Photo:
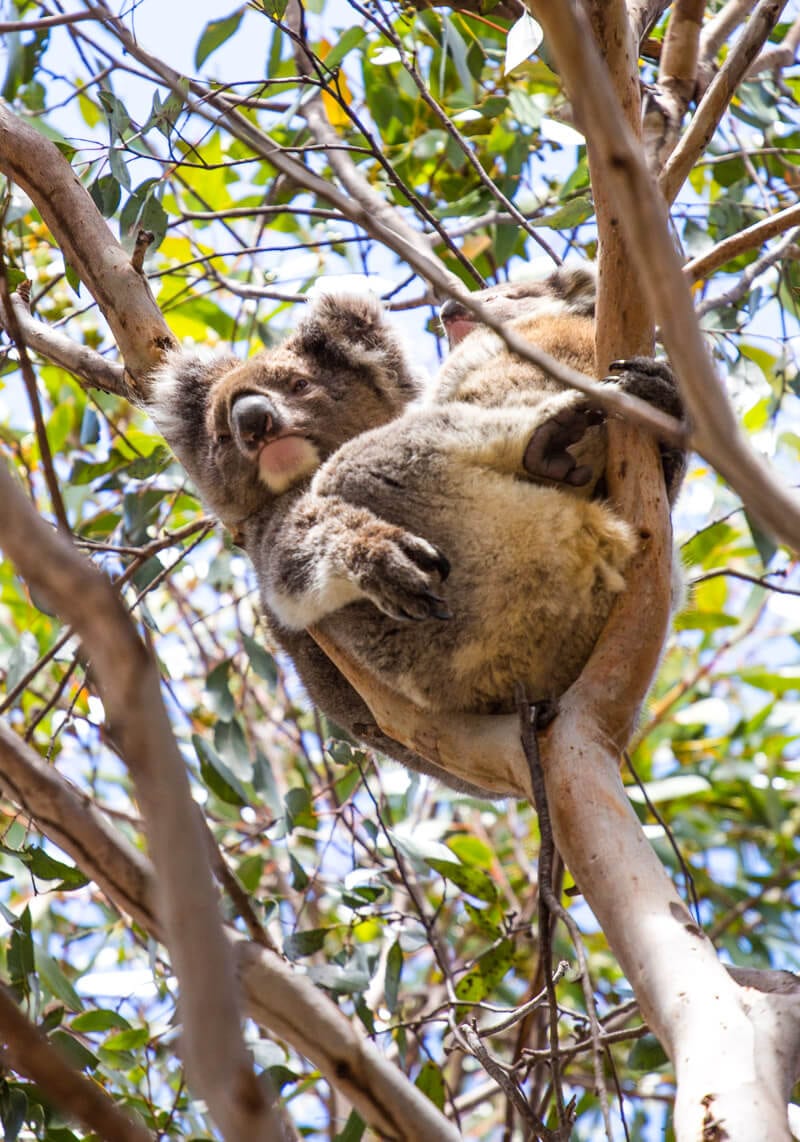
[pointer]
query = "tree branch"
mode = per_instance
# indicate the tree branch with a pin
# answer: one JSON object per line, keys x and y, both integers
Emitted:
{"x": 274, "y": 995}
{"x": 294, "y": 1009}
{"x": 783, "y": 55}
{"x": 715, "y": 102}
{"x": 749, "y": 239}
{"x": 27, "y": 1051}
{"x": 216, "y": 1058}
{"x": 70, "y": 819}
{"x": 90, "y": 367}
{"x": 749, "y": 275}
{"x": 124, "y": 297}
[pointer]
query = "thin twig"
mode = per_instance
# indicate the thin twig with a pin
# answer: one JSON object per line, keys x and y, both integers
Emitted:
{"x": 529, "y": 717}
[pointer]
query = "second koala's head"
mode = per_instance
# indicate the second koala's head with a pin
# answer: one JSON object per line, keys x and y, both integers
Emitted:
{"x": 569, "y": 289}
{"x": 248, "y": 431}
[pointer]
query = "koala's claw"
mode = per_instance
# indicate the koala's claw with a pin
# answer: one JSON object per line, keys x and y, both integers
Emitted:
{"x": 402, "y": 576}
{"x": 650, "y": 380}
{"x": 546, "y": 456}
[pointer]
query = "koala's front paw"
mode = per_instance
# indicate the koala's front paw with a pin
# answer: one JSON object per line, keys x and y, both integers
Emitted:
{"x": 650, "y": 380}
{"x": 654, "y": 382}
{"x": 546, "y": 456}
{"x": 402, "y": 573}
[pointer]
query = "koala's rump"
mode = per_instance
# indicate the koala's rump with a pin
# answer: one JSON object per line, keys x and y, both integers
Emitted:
{"x": 534, "y": 571}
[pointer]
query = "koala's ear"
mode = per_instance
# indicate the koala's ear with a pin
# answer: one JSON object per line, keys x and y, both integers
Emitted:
{"x": 350, "y": 331}
{"x": 577, "y": 286}
{"x": 178, "y": 395}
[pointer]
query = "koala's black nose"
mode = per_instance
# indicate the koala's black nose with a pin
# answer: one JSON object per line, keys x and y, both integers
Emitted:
{"x": 252, "y": 419}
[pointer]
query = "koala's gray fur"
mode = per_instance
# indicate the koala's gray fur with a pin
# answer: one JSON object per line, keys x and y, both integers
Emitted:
{"x": 454, "y": 488}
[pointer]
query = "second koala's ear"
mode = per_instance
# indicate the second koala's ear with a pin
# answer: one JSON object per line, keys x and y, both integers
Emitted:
{"x": 350, "y": 331}
{"x": 577, "y": 287}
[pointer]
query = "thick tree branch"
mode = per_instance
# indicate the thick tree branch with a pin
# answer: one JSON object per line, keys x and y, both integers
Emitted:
{"x": 38, "y": 167}
{"x": 273, "y": 994}
{"x": 715, "y": 102}
{"x": 280, "y": 999}
{"x": 217, "y": 1061}
{"x": 666, "y": 103}
{"x": 705, "y": 1021}
{"x": 88, "y": 366}
{"x": 783, "y": 55}
{"x": 643, "y": 14}
{"x": 72, "y": 821}
{"x": 26, "y": 1050}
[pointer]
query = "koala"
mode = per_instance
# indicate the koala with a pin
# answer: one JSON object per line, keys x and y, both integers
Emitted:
{"x": 342, "y": 372}
{"x": 557, "y": 314}
{"x": 449, "y": 544}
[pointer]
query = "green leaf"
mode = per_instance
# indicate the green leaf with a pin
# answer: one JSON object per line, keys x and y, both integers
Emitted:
{"x": 261, "y": 661}
{"x": 47, "y": 867}
{"x": 300, "y": 880}
{"x": 218, "y": 690}
{"x": 569, "y": 215}
{"x": 75, "y": 1052}
{"x": 647, "y": 1055}
{"x": 300, "y": 944}
{"x": 782, "y": 680}
{"x": 394, "y": 968}
{"x": 128, "y": 1040}
{"x": 215, "y": 34}
{"x": 56, "y": 982}
{"x": 346, "y": 42}
{"x": 765, "y": 545}
{"x": 119, "y": 168}
{"x": 23, "y": 656}
{"x": 430, "y": 1082}
{"x": 101, "y": 1019}
{"x": 471, "y": 850}
{"x": 486, "y": 974}
{"x": 458, "y": 52}
{"x": 341, "y": 980}
{"x": 217, "y": 776}
{"x": 353, "y": 1129}
{"x": 473, "y": 881}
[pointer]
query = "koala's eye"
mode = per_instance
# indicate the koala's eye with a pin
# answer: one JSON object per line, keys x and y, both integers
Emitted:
{"x": 299, "y": 384}
{"x": 223, "y": 437}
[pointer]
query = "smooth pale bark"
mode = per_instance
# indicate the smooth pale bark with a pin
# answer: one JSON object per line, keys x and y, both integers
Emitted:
{"x": 734, "y": 1063}
{"x": 218, "y": 1064}
{"x": 124, "y": 297}
{"x": 273, "y": 993}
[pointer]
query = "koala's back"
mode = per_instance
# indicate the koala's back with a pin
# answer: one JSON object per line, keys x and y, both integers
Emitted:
{"x": 481, "y": 370}
{"x": 534, "y": 571}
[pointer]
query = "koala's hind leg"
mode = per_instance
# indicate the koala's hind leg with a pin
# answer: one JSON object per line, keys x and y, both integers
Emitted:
{"x": 330, "y": 553}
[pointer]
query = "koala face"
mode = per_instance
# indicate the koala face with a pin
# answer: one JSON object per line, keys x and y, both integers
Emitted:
{"x": 248, "y": 432}
{"x": 569, "y": 289}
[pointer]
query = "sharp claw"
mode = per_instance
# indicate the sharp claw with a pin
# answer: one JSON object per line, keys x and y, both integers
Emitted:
{"x": 441, "y": 611}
